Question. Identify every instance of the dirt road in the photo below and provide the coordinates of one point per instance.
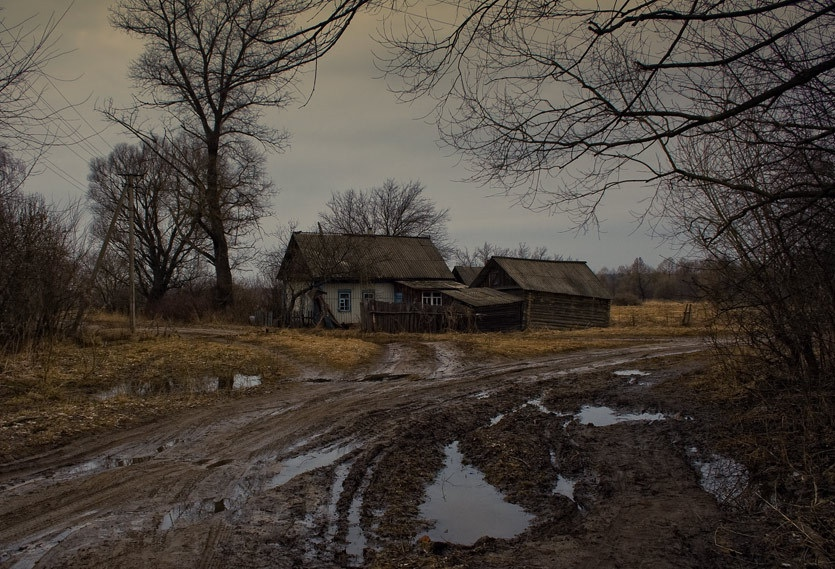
(598, 451)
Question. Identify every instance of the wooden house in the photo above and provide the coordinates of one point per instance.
(554, 294)
(340, 272)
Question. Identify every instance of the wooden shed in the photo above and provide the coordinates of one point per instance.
(488, 310)
(555, 294)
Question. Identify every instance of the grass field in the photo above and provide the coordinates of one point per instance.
(112, 378)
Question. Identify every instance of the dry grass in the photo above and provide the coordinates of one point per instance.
(629, 324)
(56, 393)
(662, 315)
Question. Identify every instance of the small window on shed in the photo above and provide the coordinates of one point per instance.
(432, 298)
(398, 297)
(494, 278)
(344, 301)
(368, 294)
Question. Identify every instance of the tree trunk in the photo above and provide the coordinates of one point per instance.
(217, 232)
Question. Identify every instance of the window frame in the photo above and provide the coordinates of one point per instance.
(434, 297)
(343, 300)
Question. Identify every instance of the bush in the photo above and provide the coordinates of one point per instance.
(39, 270)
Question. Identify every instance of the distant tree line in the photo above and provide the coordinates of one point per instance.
(670, 280)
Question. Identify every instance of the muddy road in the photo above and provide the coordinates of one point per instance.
(589, 459)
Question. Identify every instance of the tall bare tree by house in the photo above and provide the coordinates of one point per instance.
(212, 67)
(394, 208)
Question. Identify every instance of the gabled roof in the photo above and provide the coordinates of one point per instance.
(559, 277)
(465, 275)
(330, 256)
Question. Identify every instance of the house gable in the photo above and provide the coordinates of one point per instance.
(571, 278)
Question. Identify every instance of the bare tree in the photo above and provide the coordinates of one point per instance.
(26, 47)
(481, 254)
(12, 175)
(395, 209)
(561, 102)
(212, 67)
(167, 234)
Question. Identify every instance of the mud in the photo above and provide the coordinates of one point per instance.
(334, 470)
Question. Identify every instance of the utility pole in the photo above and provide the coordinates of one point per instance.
(131, 252)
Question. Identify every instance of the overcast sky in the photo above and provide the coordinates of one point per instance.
(351, 134)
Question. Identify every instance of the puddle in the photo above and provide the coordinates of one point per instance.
(721, 477)
(605, 416)
(189, 513)
(631, 373)
(292, 467)
(241, 381)
(107, 463)
(632, 376)
(564, 487)
(356, 540)
(537, 404)
(34, 552)
(464, 507)
(339, 476)
(496, 420)
(207, 384)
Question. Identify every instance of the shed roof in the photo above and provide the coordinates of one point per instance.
(560, 277)
(333, 256)
(432, 285)
(478, 297)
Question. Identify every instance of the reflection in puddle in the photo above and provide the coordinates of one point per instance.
(565, 487)
(241, 381)
(605, 416)
(630, 372)
(356, 540)
(537, 404)
(292, 467)
(107, 463)
(206, 384)
(720, 476)
(464, 507)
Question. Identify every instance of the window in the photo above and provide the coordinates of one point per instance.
(344, 301)
(368, 294)
(398, 297)
(432, 298)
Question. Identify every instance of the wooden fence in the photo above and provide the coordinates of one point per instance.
(379, 316)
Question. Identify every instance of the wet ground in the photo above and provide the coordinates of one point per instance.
(591, 459)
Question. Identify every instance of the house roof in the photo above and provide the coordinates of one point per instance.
(479, 297)
(466, 275)
(329, 256)
(559, 277)
(432, 285)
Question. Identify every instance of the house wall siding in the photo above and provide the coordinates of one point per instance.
(382, 291)
(563, 312)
